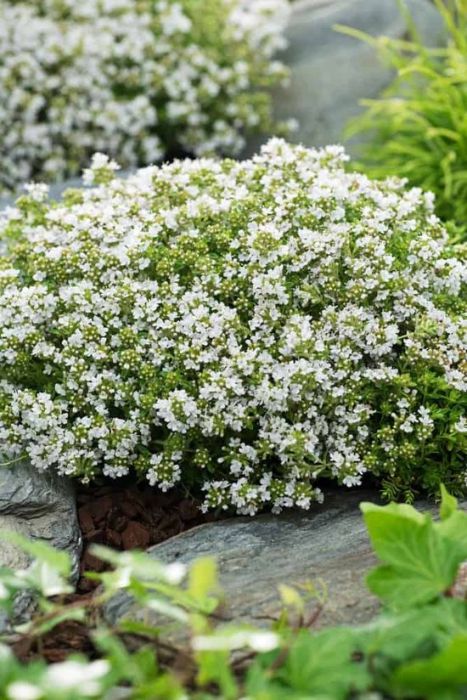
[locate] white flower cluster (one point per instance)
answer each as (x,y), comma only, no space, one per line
(245,327)
(137,78)
(65,679)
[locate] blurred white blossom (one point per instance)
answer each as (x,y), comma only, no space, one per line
(131,78)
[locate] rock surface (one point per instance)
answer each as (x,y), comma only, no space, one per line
(331,72)
(255,555)
(39,506)
(55,190)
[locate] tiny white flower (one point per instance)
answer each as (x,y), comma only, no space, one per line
(256,640)
(22,690)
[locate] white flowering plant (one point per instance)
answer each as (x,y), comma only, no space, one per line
(245,328)
(138,78)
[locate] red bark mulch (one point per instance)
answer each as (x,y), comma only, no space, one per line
(133,517)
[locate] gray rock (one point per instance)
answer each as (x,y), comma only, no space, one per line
(6,202)
(56,189)
(38,506)
(255,555)
(331,72)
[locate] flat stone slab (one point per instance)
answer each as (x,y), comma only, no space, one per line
(56,189)
(256,555)
(38,506)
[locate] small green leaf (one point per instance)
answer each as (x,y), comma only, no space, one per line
(291,598)
(455,528)
(167,609)
(140,565)
(430,678)
(419,563)
(140,629)
(322,664)
(202,578)
(448,504)
(214,667)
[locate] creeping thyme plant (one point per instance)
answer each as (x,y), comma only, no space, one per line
(240,327)
(137,78)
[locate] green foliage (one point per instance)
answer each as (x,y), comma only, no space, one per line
(418,126)
(416,647)
(419,562)
(439,676)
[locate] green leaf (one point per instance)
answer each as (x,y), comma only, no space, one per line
(398,636)
(321,664)
(202,578)
(214,667)
(139,565)
(419,563)
(40,550)
(451,621)
(448,504)
(454,528)
(430,678)
(401,509)
(8,665)
(140,628)
(165,608)
(291,598)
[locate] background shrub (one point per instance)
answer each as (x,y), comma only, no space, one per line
(418,127)
(248,327)
(137,78)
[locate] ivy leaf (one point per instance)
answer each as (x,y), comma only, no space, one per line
(448,504)
(453,523)
(419,563)
(438,676)
(455,528)
(321,665)
(398,636)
